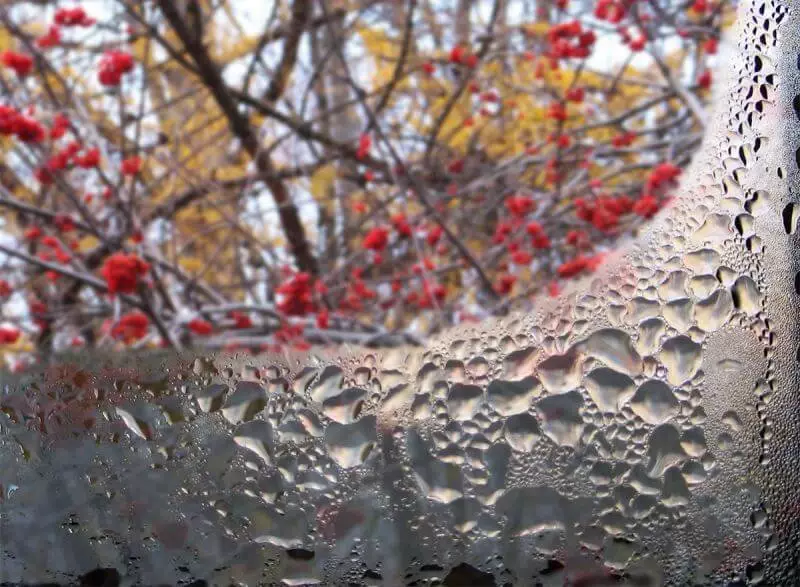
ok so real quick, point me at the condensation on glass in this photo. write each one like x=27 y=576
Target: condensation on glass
x=641 y=431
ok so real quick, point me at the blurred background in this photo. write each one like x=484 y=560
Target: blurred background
x=231 y=174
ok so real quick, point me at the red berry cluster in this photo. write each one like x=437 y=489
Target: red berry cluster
x=131 y=165
x=122 y=272
x=570 y=40
x=63 y=157
x=241 y=321
x=376 y=239
x=291 y=334
x=357 y=292
x=460 y=55
x=113 y=65
x=520 y=205
x=89 y=159
x=296 y=295
x=9 y=334
x=25 y=128
x=646 y=206
x=539 y=239
x=200 y=327
x=557 y=111
x=60 y=126
x=662 y=174
x=364 y=145
x=53 y=251
x=579 y=264
x=75 y=16
x=21 y=64
x=131 y=327
x=604 y=211
x=50 y=39
x=612 y=11
x=624 y=139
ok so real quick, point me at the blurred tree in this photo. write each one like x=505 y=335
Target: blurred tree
x=236 y=174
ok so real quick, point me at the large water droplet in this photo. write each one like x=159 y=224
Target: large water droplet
x=615 y=349
x=533 y=510
x=256 y=436
x=714 y=311
x=746 y=296
x=608 y=388
x=512 y=397
x=463 y=401
x=350 y=444
x=521 y=432
x=682 y=357
x=345 y=406
x=244 y=403
x=438 y=481
x=560 y=373
x=561 y=418
x=654 y=402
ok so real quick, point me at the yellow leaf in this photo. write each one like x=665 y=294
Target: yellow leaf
x=322 y=182
x=87 y=243
x=414 y=208
x=535 y=29
x=728 y=17
x=191 y=264
x=22 y=345
x=384 y=51
x=6 y=40
x=211 y=216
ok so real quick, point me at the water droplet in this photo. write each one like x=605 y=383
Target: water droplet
x=521 y=432
x=608 y=388
x=464 y=400
x=682 y=358
x=560 y=373
x=654 y=402
x=614 y=348
x=510 y=397
x=349 y=445
x=561 y=419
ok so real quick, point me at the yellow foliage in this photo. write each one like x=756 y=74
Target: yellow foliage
x=227 y=52
x=414 y=208
x=536 y=29
x=497 y=141
x=22 y=345
x=452 y=128
x=601 y=134
x=191 y=264
x=728 y=16
x=322 y=183
x=5 y=40
x=277 y=242
x=384 y=51
x=211 y=216
x=88 y=243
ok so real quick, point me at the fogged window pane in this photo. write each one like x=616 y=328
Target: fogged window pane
x=640 y=431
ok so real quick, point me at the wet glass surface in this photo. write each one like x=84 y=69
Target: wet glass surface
x=639 y=431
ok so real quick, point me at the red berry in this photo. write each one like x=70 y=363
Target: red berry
x=21 y=63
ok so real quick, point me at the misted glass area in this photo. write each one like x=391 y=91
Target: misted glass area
x=351 y=292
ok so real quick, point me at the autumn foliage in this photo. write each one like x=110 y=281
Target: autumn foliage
x=221 y=175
